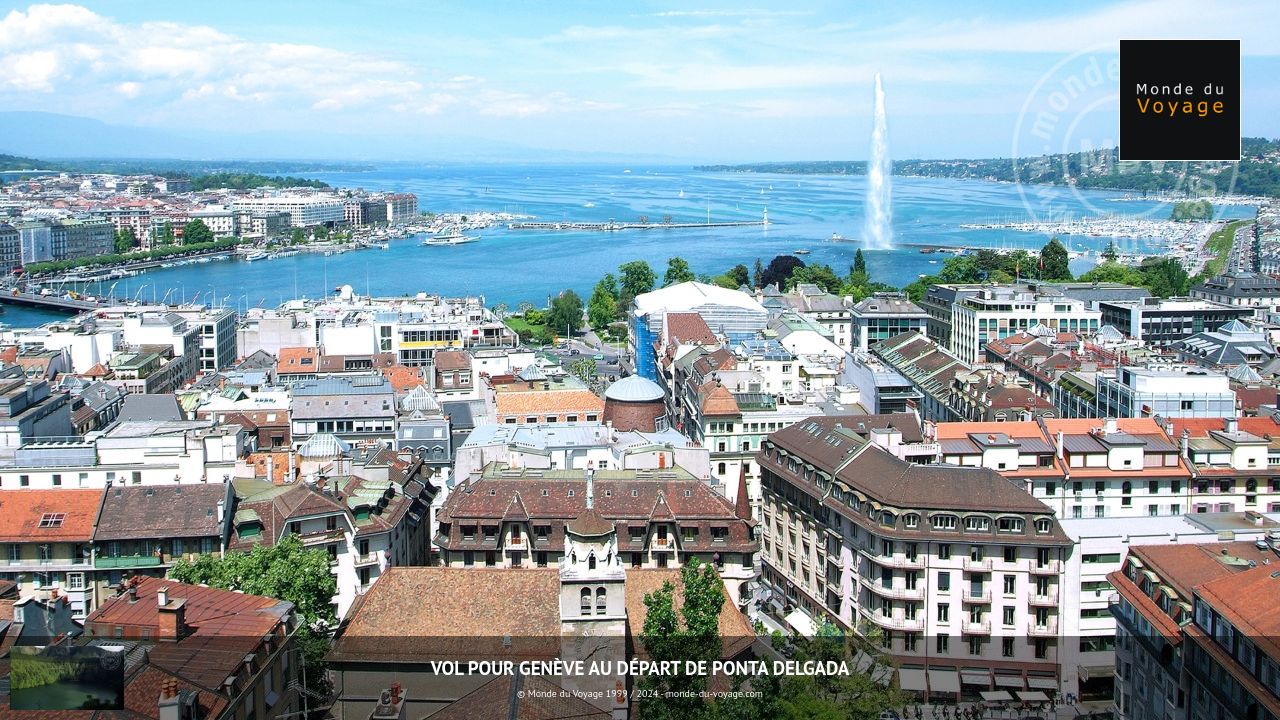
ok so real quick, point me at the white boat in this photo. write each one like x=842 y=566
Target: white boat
x=255 y=255
x=452 y=238
x=802 y=252
x=836 y=237
x=589 y=205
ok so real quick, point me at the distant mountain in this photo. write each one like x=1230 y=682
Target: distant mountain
x=54 y=136
x=1257 y=173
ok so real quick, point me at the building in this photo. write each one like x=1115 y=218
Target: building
x=401 y=207
x=203 y=652
x=724 y=311
x=304 y=210
x=1164 y=321
x=451 y=374
x=882 y=316
x=1260 y=293
x=517 y=516
x=65 y=239
x=1235 y=463
x=222 y=222
x=531 y=397
x=366 y=523
x=10 y=248
x=1229 y=346
x=30 y=410
x=1195 y=629
x=997 y=312
x=880 y=388
x=635 y=403
x=352 y=408
x=958 y=568
x=828 y=310
x=1164 y=390
x=264 y=223
x=47 y=537
x=929 y=367
x=133 y=216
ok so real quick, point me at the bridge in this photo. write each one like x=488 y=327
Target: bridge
x=52 y=302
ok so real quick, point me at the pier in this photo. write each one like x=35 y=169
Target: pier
x=612 y=226
x=51 y=302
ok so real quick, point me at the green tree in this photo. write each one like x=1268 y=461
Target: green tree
x=196 y=232
x=859 y=262
x=677 y=272
x=779 y=271
x=584 y=368
x=125 y=241
x=697 y=638
x=1110 y=254
x=287 y=571
x=297 y=236
x=501 y=310
x=602 y=308
x=862 y=694
x=1165 y=277
x=757 y=274
x=321 y=232
x=166 y=235
x=637 y=278
x=565 y=313
x=821 y=275
x=739 y=275
x=1054 y=261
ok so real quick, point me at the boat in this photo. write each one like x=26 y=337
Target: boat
x=836 y=237
x=255 y=255
x=589 y=205
x=928 y=250
x=802 y=252
x=451 y=238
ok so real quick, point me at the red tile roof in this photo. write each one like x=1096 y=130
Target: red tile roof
x=1200 y=427
x=61 y=514
x=452 y=360
x=298 y=360
x=403 y=378
x=684 y=328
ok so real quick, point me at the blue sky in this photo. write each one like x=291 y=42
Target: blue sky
x=688 y=80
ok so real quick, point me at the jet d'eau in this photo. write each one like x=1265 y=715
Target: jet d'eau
x=877 y=232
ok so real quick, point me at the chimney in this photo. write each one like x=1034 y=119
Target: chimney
x=173 y=620
x=1232 y=424
x=391 y=704
x=591 y=486
x=1185 y=443
x=1059 y=445
x=133 y=594
x=171 y=702
x=222 y=511
x=1110 y=426
x=162 y=595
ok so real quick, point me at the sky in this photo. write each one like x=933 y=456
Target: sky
x=690 y=80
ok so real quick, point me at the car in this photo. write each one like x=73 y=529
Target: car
x=598 y=356
x=889 y=715
x=575 y=351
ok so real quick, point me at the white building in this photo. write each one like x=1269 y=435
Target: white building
x=1164 y=390
x=997 y=312
x=304 y=210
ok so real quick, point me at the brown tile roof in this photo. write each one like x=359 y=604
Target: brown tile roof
x=1248 y=600
x=402 y=378
x=163 y=511
x=98 y=371
x=143 y=689
x=736 y=633
x=22 y=512
x=687 y=328
x=452 y=360
x=298 y=360
x=549 y=402
x=717 y=400
x=589 y=523
x=279 y=467
x=535 y=698
x=423 y=613
x=1200 y=427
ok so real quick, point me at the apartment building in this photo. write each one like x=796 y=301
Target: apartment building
x=48 y=540
x=30 y=410
x=352 y=408
x=996 y=312
x=958 y=568
x=517 y=517
x=10 y=248
x=401 y=207
x=1163 y=321
x=882 y=316
x=1163 y=390
x=304 y=210
x=813 y=303
x=930 y=368
x=1235 y=463
x=1195 y=629
x=1255 y=291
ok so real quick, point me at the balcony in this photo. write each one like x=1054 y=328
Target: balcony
x=368 y=559
x=982 y=627
x=1048 y=628
x=517 y=543
x=893 y=561
x=972 y=565
x=663 y=544
x=128 y=561
x=1043 y=600
x=1052 y=567
x=977 y=596
x=324 y=537
x=50 y=564
x=896 y=593
x=897 y=623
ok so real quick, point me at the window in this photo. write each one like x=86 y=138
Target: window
x=1011 y=525
x=1010 y=554
x=944 y=613
x=585 y=602
x=601 y=603
x=941 y=645
x=51 y=520
x=1008 y=617
x=1006 y=646
x=1010 y=584
x=24 y=481
x=490 y=558
x=944 y=581
x=944 y=551
x=1043 y=526
x=57 y=480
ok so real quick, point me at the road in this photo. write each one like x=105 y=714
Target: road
x=608 y=366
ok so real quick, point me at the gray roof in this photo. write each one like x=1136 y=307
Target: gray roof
x=160 y=511
x=150 y=408
x=360 y=385
x=324 y=445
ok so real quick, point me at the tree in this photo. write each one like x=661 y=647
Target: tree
x=321 y=232
x=602 y=308
x=1113 y=272
x=1054 y=261
x=1165 y=277
x=286 y=571
x=584 y=368
x=196 y=232
x=125 y=241
x=565 y=313
x=501 y=310
x=859 y=262
x=757 y=274
x=1110 y=254
x=666 y=639
x=677 y=272
x=523 y=308
x=821 y=275
x=637 y=279
x=297 y=236
x=779 y=271
x=863 y=693
x=166 y=235
x=739 y=275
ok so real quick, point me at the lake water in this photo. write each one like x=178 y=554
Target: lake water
x=515 y=265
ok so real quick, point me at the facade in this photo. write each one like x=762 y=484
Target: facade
x=1235 y=463
x=304 y=210
x=829 y=311
x=723 y=311
x=401 y=207
x=1195 y=629
x=882 y=316
x=1226 y=347
x=10 y=248
x=1164 y=321
x=958 y=568
x=48 y=539
x=518 y=517
x=1260 y=293
x=1164 y=390
x=65 y=239
x=352 y=408
x=222 y=222
x=30 y=410
x=997 y=312
x=930 y=368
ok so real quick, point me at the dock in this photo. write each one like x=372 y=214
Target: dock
x=612 y=226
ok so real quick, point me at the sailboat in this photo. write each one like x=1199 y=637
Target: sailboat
x=681 y=192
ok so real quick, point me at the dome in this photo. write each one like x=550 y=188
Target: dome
x=634 y=389
x=323 y=445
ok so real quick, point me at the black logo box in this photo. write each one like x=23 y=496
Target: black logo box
x=1185 y=67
